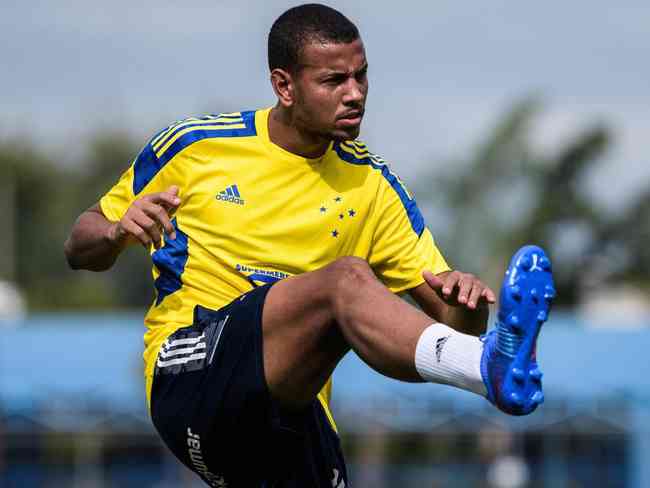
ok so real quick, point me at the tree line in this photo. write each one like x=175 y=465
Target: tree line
x=481 y=208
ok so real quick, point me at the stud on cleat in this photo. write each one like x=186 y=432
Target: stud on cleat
x=508 y=365
x=536 y=374
x=515 y=292
x=516 y=399
x=526 y=262
x=549 y=293
x=518 y=374
x=545 y=263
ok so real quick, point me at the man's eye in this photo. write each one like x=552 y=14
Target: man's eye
x=334 y=80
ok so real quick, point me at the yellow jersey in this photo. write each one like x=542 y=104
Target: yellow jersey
x=253 y=213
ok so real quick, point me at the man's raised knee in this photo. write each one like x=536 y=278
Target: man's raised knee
x=350 y=272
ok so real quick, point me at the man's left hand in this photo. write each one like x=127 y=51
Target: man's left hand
x=460 y=289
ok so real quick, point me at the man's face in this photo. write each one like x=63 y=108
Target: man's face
x=330 y=89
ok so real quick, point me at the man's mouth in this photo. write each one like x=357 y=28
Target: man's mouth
x=352 y=117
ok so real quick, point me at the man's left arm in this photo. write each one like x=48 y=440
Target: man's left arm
x=459 y=300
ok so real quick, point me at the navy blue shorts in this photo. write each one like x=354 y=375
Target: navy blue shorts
x=211 y=405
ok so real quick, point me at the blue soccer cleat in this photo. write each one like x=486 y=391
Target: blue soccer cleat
x=508 y=365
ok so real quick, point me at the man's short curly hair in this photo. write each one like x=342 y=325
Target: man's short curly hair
x=304 y=24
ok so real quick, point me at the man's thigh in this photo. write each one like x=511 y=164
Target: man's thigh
x=302 y=342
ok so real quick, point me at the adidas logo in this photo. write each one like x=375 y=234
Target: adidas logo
x=440 y=343
x=231 y=194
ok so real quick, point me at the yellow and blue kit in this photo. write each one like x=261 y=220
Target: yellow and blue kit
x=252 y=213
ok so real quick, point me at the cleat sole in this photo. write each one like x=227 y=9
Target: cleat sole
x=525 y=301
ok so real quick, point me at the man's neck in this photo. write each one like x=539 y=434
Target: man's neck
x=283 y=132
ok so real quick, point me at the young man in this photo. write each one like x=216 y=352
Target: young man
x=279 y=243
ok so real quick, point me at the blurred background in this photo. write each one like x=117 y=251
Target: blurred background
x=511 y=122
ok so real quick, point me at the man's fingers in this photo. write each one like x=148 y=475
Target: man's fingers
x=450 y=282
x=168 y=199
x=465 y=287
x=160 y=206
x=160 y=216
x=432 y=280
x=149 y=226
x=489 y=295
x=442 y=283
x=149 y=215
x=475 y=295
x=468 y=289
x=137 y=232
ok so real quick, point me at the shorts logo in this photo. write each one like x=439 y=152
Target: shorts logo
x=192 y=348
x=183 y=351
x=198 y=464
x=337 y=480
x=231 y=194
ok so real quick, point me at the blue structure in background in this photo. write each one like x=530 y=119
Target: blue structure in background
x=70 y=359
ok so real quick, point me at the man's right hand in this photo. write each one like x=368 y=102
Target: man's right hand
x=145 y=219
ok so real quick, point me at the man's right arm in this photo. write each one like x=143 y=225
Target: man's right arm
x=95 y=242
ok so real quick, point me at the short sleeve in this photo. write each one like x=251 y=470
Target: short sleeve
x=142 y=177
x=402 y=246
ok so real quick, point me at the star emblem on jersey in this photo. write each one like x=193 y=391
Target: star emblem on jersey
x=231 y=194
x=333 y=209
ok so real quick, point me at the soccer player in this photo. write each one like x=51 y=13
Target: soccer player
x=279 y=243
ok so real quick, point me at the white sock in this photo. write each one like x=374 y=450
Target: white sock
x=446 y=356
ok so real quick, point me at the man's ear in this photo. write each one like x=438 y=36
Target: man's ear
x=283 y=86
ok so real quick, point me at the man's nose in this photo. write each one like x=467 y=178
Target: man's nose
x=355 y=92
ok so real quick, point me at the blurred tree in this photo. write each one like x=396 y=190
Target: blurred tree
x=109 y=154
x=38 y=201
x=508 y=195
x=43 y=200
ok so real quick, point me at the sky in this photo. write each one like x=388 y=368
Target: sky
x=441 y=73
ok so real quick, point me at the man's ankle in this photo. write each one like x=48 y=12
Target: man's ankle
x=448 y=357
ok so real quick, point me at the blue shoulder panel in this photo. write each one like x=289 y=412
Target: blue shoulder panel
x=170 y=261
x=412 y=210
x=147 y=164
x=222 y=122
